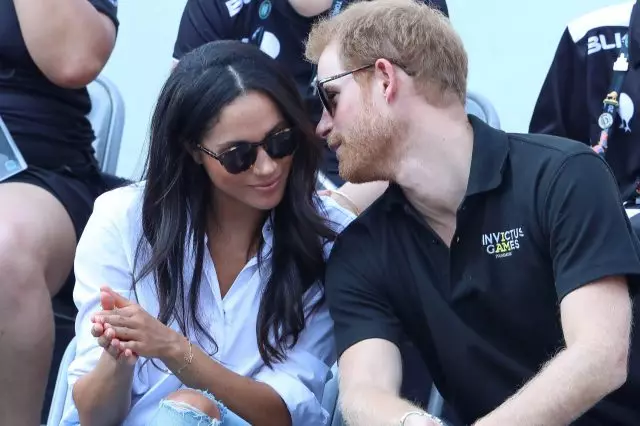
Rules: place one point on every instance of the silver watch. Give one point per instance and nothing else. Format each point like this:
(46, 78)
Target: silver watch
(421, 414)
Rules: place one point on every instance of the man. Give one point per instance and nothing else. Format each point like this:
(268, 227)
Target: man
(278, 27)
(505, 258)
(592, 89)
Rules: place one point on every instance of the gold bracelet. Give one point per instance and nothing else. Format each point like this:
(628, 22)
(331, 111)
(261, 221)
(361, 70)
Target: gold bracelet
(188, 358)
(355, 210)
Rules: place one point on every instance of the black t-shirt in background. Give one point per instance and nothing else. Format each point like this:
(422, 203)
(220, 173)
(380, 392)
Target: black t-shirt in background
(272, 25)
(47, 122)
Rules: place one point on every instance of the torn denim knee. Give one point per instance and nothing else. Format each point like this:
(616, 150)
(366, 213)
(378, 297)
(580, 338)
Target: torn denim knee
(192, 416)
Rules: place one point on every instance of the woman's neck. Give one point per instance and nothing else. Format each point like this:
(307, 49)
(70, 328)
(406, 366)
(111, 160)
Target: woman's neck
(234, 224)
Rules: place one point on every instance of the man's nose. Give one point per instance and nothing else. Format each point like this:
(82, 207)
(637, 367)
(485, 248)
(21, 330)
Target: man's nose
(325, 125)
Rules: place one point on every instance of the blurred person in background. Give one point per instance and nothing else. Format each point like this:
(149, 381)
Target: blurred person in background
(592, 92)
(49, 52)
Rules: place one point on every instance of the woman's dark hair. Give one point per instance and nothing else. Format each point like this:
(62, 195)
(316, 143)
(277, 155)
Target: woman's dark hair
(177, 198)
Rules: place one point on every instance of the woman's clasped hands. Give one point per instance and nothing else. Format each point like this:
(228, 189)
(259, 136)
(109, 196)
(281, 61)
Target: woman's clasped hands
(125, 330)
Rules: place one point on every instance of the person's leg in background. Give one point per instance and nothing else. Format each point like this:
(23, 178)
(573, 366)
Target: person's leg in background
(37, 245)
(190, 407)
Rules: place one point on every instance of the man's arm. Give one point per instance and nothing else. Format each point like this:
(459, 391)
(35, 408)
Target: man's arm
(370, 380)
(202, 22)
(595, 254)
(596, 320)
(69, 40)
(367, 332)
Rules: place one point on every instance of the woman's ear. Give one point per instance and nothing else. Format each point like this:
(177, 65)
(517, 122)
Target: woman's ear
(194, 152)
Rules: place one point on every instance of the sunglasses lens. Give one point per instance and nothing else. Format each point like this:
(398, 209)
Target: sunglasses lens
(281, 144)
(324, 99)
(240, 159)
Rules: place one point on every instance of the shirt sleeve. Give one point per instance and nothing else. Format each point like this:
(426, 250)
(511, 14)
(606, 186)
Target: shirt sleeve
(590, 234)
(107, 7)
(300, 378)
(354, 285)
(100, 260)
(204, 21)
(561, 108)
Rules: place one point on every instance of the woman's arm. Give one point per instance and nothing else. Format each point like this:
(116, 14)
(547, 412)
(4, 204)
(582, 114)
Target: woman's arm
(358, 196)
(288, 393)
(69, 40)
(103, 396)
(101, 378)
(257, 403)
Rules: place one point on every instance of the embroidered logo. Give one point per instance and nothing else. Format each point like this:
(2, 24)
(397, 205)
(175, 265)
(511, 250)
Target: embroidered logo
(502, 244)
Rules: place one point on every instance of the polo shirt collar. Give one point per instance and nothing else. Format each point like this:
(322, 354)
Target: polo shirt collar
(490, 151)
(489, 155)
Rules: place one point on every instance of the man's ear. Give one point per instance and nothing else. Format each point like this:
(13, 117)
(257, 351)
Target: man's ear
(386, 78)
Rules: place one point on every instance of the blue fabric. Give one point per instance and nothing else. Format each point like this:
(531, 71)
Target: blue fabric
(173, 413)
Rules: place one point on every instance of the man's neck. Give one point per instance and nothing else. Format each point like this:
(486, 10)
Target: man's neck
(433, 170)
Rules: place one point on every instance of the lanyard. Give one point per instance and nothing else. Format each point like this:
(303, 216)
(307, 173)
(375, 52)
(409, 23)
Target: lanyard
(610, 103)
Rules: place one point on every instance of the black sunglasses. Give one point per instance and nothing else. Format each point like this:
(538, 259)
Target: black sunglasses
(324, 95)
(242, 155)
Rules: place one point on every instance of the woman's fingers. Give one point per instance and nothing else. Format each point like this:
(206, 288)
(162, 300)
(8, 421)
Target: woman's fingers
(105, 338)
(122, 333)
(97, 330)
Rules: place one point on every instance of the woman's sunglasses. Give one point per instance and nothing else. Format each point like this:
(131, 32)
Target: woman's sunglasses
(242, 155)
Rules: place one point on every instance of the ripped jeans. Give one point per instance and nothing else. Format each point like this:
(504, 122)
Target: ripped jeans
(173, 413)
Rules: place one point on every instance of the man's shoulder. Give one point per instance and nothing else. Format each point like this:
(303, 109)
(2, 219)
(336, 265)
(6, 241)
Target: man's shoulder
(544, 146)
(367, 228)
(612, 17)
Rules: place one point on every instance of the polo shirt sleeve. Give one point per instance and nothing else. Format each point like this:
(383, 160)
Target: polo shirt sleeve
(107, 7)
(590, 234)
(561, 108)
(355, 288)
(100, 260)
(204, 21)
(300, 378)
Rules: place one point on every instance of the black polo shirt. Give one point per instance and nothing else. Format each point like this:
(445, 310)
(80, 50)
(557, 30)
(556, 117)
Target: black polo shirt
(541, 218)
(48, 122)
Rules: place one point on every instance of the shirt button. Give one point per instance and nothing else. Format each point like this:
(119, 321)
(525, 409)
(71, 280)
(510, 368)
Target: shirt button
(457, 239)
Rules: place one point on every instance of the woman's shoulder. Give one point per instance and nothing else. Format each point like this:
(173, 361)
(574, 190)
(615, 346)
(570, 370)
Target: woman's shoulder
(121, 205)
(337, 216)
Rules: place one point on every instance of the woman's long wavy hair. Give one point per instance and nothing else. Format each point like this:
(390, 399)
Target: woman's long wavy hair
(177, 195)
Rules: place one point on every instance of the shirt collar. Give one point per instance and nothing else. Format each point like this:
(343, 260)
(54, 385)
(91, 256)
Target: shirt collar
(489, 155)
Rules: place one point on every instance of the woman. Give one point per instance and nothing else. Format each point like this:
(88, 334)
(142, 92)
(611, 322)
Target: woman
(213, 263)
(49, 53)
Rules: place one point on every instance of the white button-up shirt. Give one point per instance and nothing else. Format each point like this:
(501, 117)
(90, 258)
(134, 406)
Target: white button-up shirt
(105, 256)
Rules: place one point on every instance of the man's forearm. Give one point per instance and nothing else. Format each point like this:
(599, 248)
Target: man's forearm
(569, 385)
(362, 406)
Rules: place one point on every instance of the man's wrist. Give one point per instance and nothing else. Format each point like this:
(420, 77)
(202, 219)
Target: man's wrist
(420, 418)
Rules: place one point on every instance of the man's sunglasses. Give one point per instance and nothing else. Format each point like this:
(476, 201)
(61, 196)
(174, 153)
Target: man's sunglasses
(242, 155)
(325, 98)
